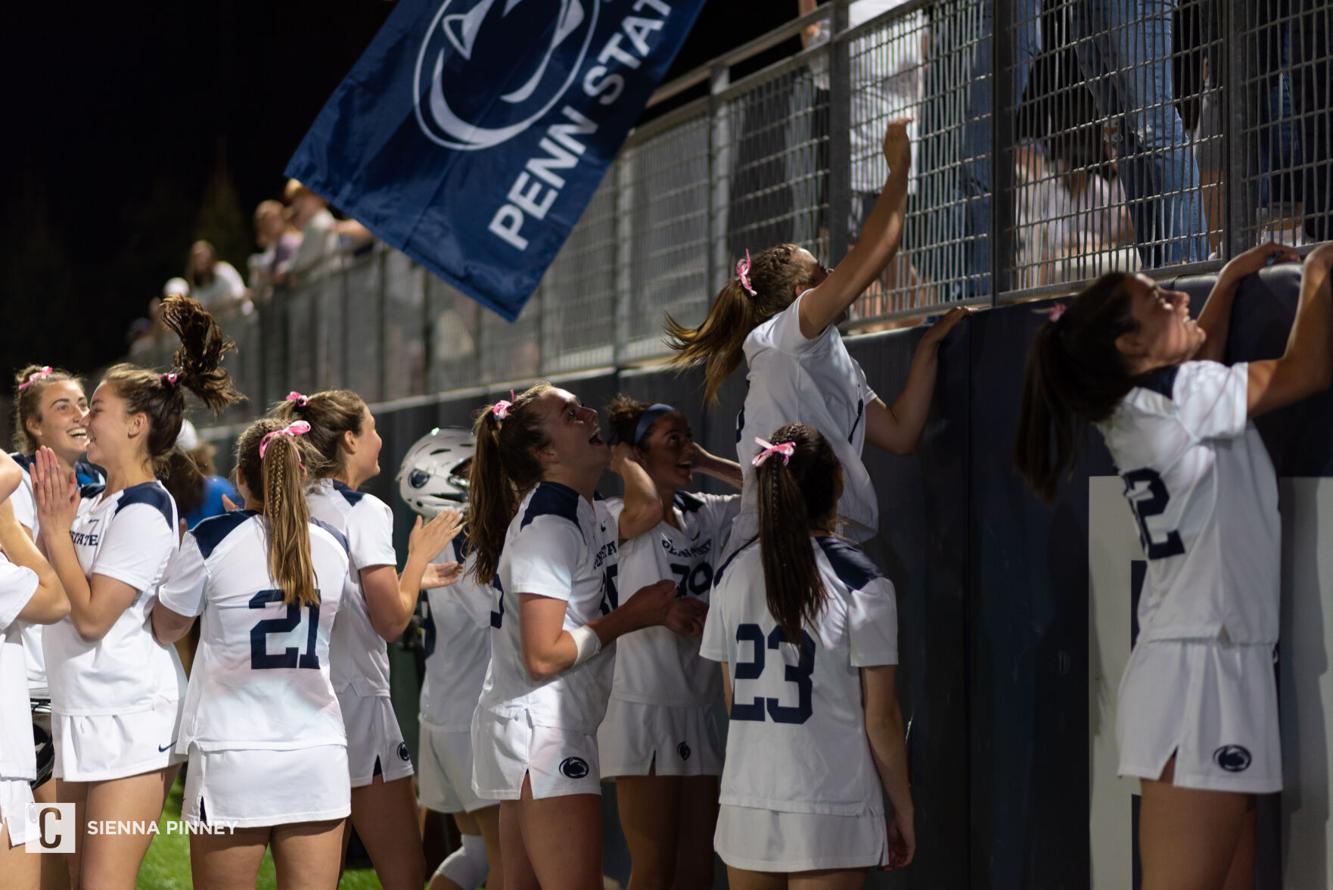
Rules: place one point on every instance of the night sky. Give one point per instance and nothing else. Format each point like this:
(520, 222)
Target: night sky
(133, 129)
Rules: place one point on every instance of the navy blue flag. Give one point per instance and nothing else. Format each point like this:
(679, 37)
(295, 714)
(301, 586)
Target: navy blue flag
(471, 134)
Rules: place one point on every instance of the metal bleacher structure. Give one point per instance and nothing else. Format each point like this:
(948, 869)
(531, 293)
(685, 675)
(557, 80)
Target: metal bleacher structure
(1072, 179)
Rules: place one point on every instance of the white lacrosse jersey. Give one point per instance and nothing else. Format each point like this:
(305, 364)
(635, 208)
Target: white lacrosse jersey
(457, 645)
(792, 379)
(260, 678)
(17, 757)
(796, 742)
(561, 546)
(655, 665)
(1202, 488)
(360, 655)
(129, 536)
(91, 481)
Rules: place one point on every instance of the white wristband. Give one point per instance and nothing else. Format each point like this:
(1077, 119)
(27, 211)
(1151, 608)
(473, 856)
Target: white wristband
(587, 642)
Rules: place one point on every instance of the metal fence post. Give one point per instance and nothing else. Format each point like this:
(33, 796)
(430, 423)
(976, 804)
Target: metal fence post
(1235, 185)
(621, 216)
(1002, 217)
(718, 137)
(840, 125)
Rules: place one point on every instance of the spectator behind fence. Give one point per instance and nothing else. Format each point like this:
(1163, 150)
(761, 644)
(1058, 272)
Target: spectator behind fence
(213, 282)
(278, 240)
(145, 332)
(324, 239)
(956, 178)
(1125, 53)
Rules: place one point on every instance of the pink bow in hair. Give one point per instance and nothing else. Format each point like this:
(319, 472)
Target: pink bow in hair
(40, 374)
(170, 378)
(1054, 313)
(784, 449)
(501, 408)
(299, 399)
(295, 428)
(743, 273)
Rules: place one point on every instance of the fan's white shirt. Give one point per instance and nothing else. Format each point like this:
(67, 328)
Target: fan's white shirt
(458, 645)
(1203, 491)
(559, 545)
(796, 741)
(260, 679)
(25, 511)
(816, 382)
(17, 757)
(655, 665)
(129, 536)
(360, 657)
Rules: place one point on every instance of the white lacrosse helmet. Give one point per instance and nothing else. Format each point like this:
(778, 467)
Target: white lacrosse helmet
(434, 471)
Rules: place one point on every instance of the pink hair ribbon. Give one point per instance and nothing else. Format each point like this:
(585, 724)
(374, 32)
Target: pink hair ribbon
(40, 374)
(743, 273)
(1054, 313)
(501, 408)
(785, 449)
(170, 378)
(299, 399)
(295, 428)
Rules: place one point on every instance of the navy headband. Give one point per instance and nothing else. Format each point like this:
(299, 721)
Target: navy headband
(655, 410)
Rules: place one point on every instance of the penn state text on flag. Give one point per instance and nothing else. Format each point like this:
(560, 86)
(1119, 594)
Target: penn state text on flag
(471, 134)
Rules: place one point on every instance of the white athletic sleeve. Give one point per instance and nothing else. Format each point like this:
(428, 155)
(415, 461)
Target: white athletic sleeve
(608, 510)
(135, 547)
(182, 589)
(17, 586)
(370, 533)
(872, 624)
(713, 644)
(25, 508)
(784, 329)
(1211, 398)
(544, 556)
(719, 512)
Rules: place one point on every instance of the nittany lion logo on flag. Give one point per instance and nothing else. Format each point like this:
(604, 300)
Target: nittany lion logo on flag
(472, 42)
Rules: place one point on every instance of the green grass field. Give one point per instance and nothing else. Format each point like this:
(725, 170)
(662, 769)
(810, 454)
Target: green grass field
(167, 866)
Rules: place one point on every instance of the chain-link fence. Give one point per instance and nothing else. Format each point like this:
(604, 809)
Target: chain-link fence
(1154, 135)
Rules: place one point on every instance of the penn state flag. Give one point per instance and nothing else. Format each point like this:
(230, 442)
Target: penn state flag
(471, 134)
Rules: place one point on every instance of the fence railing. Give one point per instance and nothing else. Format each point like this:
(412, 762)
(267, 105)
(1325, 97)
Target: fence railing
(1132, 134)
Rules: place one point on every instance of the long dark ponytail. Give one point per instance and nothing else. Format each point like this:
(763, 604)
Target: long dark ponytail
(1075, 375)
(797, 496)
(504, 467)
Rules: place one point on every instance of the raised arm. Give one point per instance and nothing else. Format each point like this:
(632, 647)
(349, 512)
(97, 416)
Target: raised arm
(643, 507)
(719, 468)
(1307, 364)
(879, 240)
(1215, 319)
(48, 603)
(391, 598)
(897, 428)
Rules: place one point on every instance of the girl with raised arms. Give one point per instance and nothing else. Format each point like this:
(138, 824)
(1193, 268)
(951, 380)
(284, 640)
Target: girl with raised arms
(261, 726)
(384, 811)
(115, 691)
(780, 314)
(806, 629)
(540, 537)
(1196, 716)
(659, 739)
